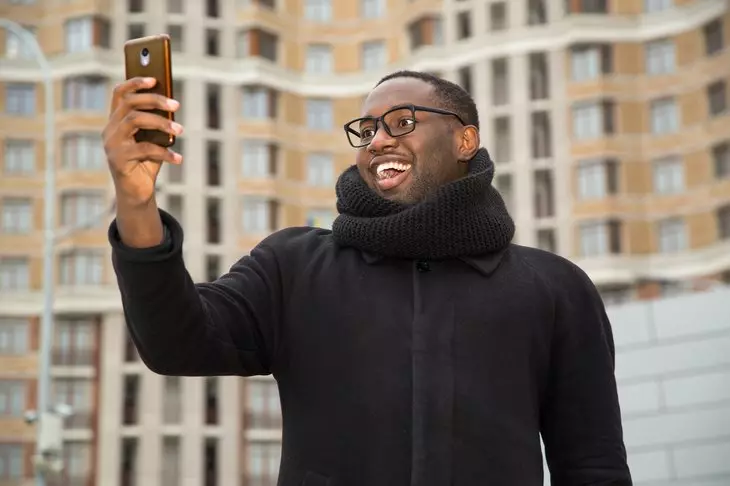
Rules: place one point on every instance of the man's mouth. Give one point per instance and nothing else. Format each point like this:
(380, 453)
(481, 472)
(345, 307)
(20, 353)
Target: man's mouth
(391, 174)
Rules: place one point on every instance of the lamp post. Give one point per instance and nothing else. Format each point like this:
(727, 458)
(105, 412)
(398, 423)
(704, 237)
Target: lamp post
(28, 39)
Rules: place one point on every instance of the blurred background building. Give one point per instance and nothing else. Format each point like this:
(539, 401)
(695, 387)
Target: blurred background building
(608, 121)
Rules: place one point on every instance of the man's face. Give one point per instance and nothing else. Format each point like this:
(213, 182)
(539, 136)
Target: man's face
(410, 167)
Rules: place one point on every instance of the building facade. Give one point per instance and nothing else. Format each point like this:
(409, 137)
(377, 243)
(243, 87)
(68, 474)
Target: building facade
(607, 119)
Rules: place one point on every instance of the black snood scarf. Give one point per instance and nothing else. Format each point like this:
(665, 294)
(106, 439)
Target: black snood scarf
(466, 217)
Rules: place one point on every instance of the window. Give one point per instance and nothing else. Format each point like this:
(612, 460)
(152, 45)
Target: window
(212, 9)
(660, 57)
(20, 99)
(717, 98)
(177, 37)
(81, 267)
(73, 343)
(463, 25)
(211, 400)
(83, 209)
(77, 461)
(598, 238)
(85, 93)
(587, 121)
(13, 335)
(318, 10)
(257, 42)
(320, 218)
(672, 235)
(546, 240)
(263, 462)
(83, 151)
(539, 78)
(212, 42)
(500, 82)
(263, 407)
(258, 103)
(497, 16)
(12, 398)
(135, 6)
(17, 47)
(465, 78)
(502, 139)
(721, 160)
(213, 118)
(536, 12)
(135, 31)
(76, 392)
(319, 114)
(320, 169)
(12, 461)
(590, 61)
(256, 215)
(14, 273)
(597, 178)
(17, 215)
(651, 6)
(723, 222)
(319, 59)
(172, 400)
(175, 6)
(79, 34)
(543, 196)
(664, 116)
(213, 221)
(713, 33)
(258, 158)
(372, 9)
(541, 135)
(171, 461)
(668, 175)
(373, 55)
(19, 157)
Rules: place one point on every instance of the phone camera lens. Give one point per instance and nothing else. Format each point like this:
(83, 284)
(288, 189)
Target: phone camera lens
(145, 52)
(144, 57)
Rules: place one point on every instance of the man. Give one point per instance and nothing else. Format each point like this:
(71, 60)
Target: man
(413, 344)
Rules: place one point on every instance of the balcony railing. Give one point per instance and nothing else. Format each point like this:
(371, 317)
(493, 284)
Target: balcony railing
(257, 420)
(79, 420)
(73, 357)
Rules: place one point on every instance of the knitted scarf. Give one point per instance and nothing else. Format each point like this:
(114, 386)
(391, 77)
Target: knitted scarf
(466, 217)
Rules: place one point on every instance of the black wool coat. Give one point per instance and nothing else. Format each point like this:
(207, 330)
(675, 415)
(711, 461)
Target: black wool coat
(395, 372)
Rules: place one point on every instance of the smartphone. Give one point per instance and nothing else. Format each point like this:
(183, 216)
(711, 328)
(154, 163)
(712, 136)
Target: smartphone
(150, 57)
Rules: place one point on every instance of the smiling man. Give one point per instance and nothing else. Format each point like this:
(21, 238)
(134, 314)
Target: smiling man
(413, 344)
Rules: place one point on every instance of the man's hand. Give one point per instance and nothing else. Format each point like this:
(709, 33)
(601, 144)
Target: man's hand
(134, 166)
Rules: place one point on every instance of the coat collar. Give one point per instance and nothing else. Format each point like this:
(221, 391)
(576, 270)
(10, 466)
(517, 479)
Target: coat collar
(484, 264)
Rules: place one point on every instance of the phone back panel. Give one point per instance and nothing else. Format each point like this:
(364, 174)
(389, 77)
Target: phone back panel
(155, 64)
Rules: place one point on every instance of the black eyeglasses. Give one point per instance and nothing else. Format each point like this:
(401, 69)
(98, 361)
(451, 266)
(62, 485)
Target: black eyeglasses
(397, 122)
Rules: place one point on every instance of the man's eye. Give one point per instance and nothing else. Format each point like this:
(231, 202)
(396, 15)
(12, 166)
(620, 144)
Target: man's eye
(405, 122)
(367, 133)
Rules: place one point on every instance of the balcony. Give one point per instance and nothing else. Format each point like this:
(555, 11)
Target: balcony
(73, 357)
(258, 420)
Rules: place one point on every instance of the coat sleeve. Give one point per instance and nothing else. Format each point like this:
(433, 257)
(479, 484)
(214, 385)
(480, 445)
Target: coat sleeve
(580, 416)
(226, 327)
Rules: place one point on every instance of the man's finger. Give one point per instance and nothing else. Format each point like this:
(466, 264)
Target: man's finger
(142, 120)
(129, 86)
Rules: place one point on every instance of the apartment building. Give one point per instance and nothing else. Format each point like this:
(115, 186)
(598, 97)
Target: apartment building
(608, 121)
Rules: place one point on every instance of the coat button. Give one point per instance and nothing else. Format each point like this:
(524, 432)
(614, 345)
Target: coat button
(422, 266)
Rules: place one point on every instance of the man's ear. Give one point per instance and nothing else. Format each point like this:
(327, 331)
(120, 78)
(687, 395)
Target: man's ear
(468, 143)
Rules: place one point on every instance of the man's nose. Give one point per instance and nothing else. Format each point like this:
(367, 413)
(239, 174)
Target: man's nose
(381, 141)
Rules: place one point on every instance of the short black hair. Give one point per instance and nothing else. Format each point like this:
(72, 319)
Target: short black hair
(449, 95)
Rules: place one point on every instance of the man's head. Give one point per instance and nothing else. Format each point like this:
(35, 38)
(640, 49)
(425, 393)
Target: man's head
(434, 132)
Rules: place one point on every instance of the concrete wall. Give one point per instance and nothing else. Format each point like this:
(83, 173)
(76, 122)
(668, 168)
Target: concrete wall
(673, 369)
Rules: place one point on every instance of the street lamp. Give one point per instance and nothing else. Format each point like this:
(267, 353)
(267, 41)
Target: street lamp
(49, 209)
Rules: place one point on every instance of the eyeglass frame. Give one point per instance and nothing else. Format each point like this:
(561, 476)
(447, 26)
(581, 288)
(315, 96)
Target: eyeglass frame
(380, 121)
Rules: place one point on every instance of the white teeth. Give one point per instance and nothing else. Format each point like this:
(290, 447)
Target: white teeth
(392, 165)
